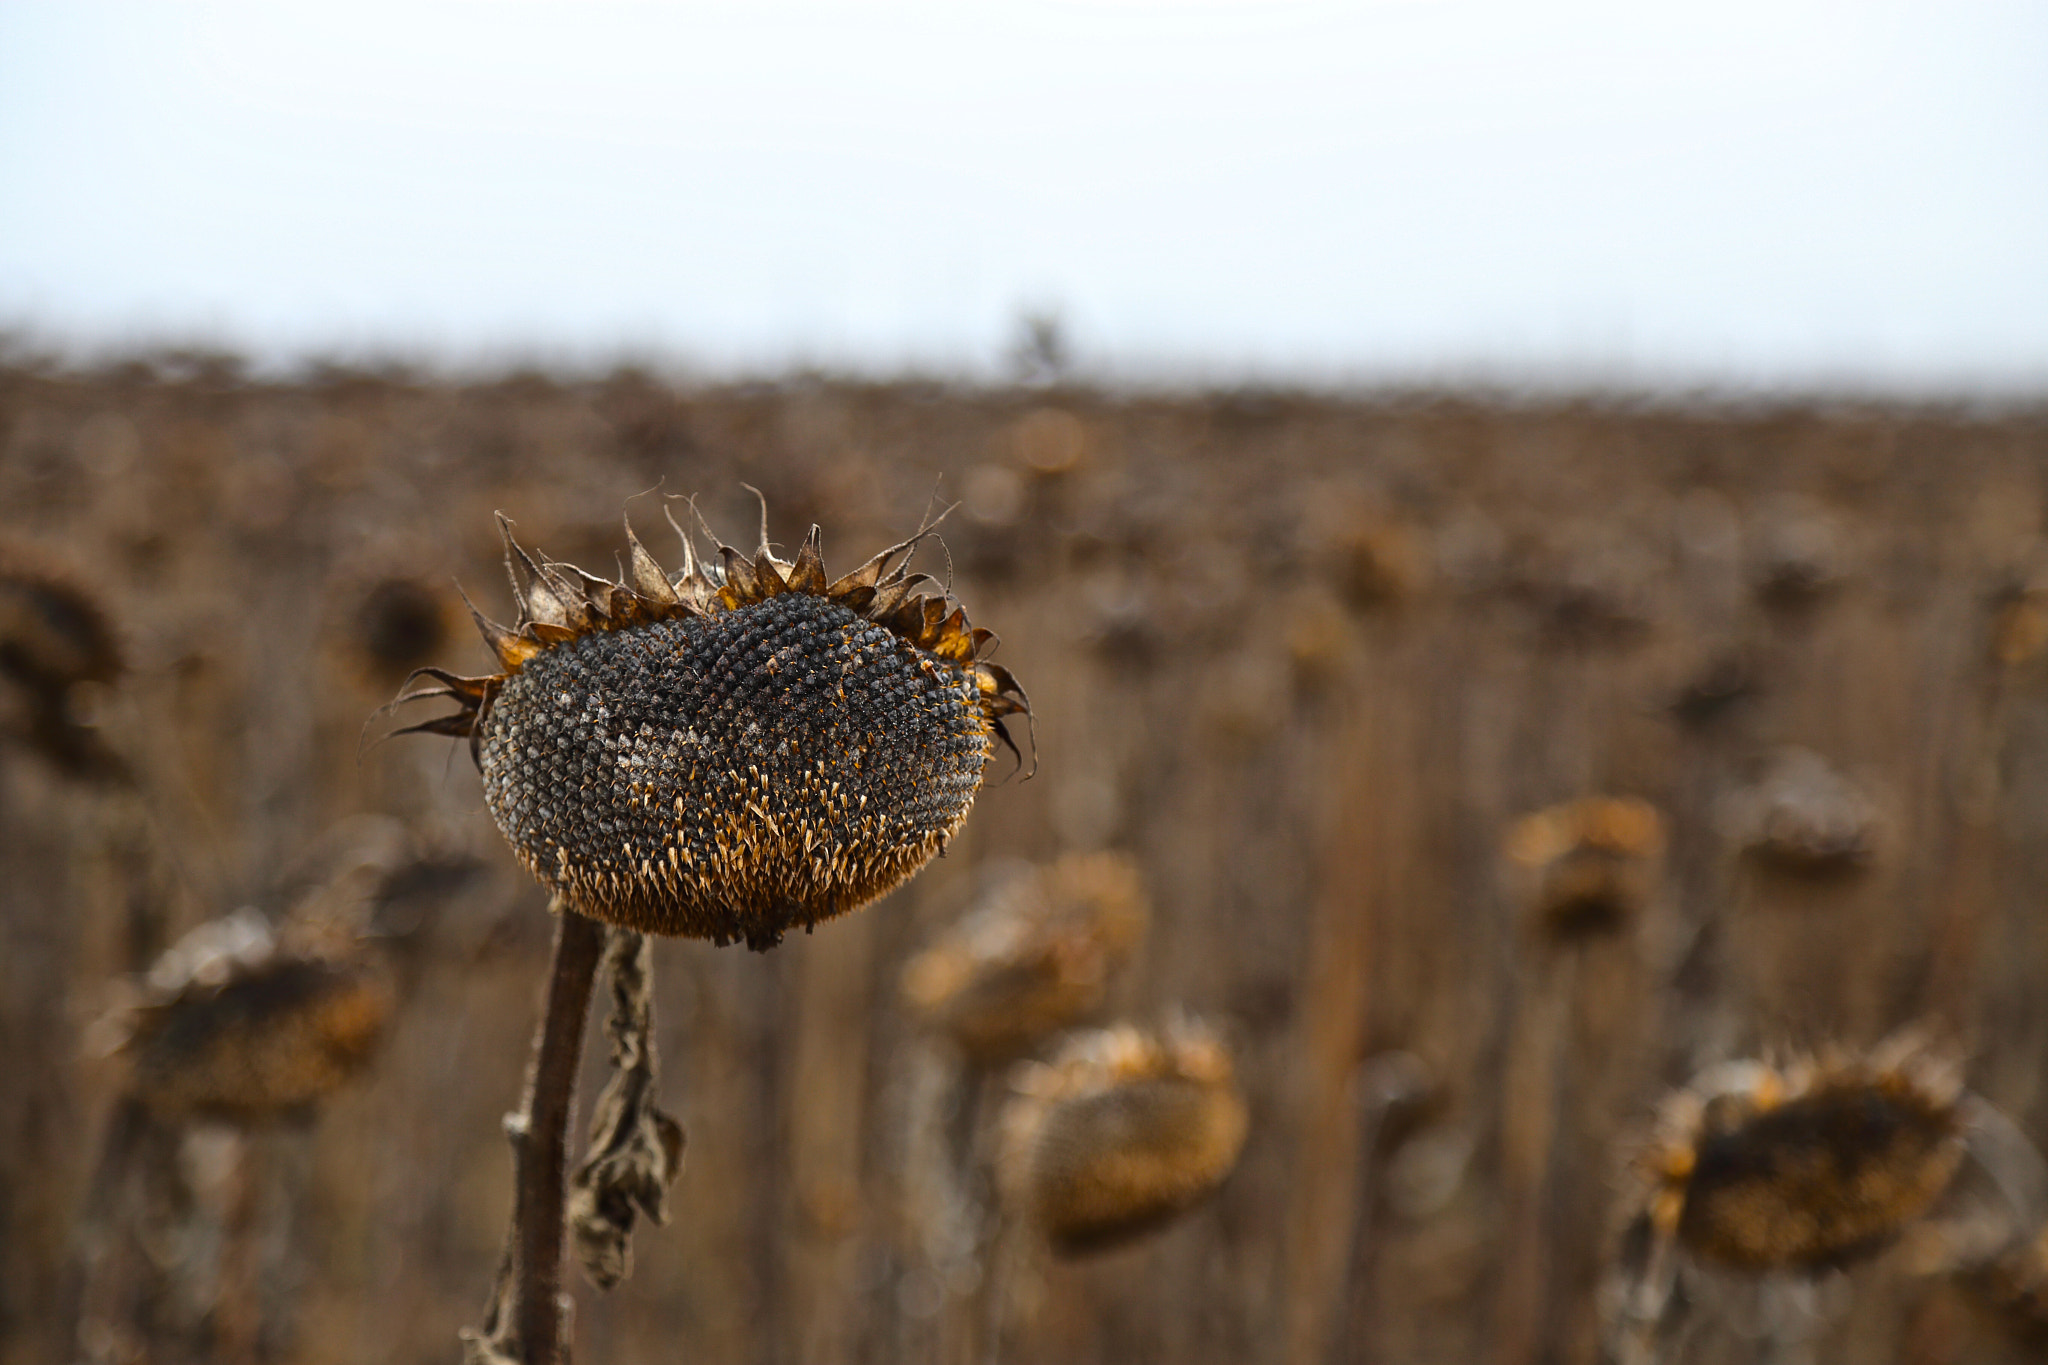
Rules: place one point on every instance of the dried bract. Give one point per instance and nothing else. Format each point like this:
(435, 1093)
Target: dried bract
(741, 749)
(1588, 866)
(1118, 1133)
(1033, 957)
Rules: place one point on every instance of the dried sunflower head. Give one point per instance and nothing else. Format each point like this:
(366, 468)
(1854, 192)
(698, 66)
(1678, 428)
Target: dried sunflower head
(239, 1024)
(1118, 1133)
(741, 749)
(1033, 957)
(57, 645)
(1587, 866)
(53, 634)
(1805, 819)
(1799, 552)
(1374, 557)
(1757, 1168)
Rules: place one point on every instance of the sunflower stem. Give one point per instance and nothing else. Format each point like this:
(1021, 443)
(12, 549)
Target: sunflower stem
(526, 1322)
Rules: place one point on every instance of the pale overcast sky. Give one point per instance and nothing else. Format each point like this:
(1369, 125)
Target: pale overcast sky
(1777, 192)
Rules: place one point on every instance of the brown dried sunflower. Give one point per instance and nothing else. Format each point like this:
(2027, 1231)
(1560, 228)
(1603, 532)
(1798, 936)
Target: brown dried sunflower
(1757, 1168)
(1033, 957)
(241, 1024)
(53, 634)
(57, 646)
(1804, 818)
(1118, 1133)
(747, 747)
(1588, 866)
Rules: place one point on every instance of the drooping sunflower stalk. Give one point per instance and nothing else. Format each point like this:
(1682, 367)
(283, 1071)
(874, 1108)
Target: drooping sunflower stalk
(742, 748)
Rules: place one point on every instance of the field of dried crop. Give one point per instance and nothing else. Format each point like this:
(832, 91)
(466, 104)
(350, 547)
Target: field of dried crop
(1308, 661)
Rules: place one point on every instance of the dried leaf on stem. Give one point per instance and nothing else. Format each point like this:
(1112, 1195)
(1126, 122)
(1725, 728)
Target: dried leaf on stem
(636, 1150)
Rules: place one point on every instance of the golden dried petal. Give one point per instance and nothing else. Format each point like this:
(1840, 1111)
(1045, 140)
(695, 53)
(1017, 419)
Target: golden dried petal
(695, 596)
(767, 578)
(543, 608)
(452, 685)
(425, 694)
(893, 594)
(569, 592)
(954, 643)
(596, 593)
(545, 597)
(740, 584)
(999, 684)
(649, 579)
(625, 607)
(863, 578)
(907, 620)
(511, 648)
(808, 573)
(884, 601)
(933, 623)
(870, 574)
